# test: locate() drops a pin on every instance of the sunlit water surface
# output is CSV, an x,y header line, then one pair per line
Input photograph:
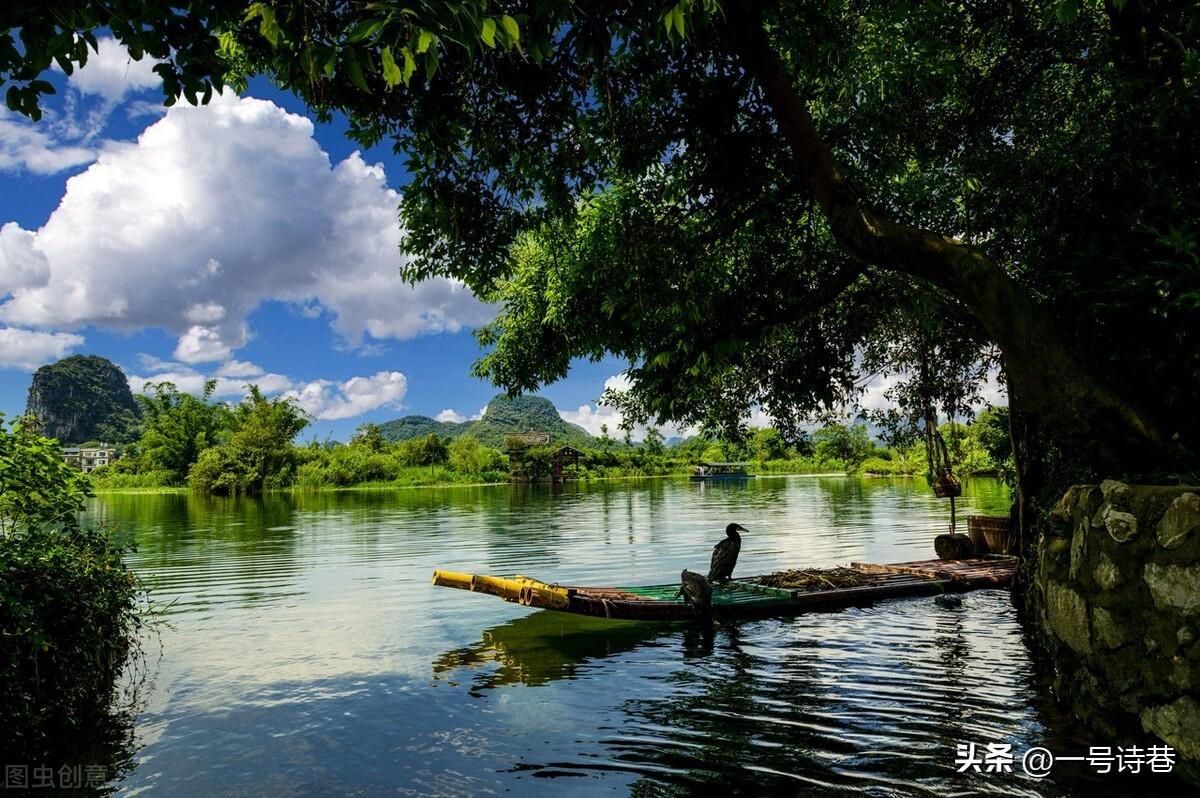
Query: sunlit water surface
x,y
307,653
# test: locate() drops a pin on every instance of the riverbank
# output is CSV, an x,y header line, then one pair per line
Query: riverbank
x,y
102,490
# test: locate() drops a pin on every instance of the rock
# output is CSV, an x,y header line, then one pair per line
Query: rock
x,y
1174,586
1106,573
1078,549
1180,521
82,398
1115,492
1062,517
1177,723
1121,526
1068,618
1107,629
1055,552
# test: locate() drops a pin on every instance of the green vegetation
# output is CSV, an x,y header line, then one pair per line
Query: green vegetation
x,y
83,398
69,609
503,416
210,446
248,448
815,193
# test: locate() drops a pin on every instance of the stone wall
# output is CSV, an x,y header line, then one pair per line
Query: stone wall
x,y
1117,598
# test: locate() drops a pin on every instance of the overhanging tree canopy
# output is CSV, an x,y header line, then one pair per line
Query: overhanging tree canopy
x,y
756,202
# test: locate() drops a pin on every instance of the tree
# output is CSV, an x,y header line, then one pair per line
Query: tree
x,y
429,450
370,437
653,443
848,443
178,427
38,490
768,444
468,456
259,453
807,182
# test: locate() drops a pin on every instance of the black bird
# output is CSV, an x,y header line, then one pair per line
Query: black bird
x,y
725,554
697,593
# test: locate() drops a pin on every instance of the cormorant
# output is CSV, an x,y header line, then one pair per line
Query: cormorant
x,y
725,554
697,593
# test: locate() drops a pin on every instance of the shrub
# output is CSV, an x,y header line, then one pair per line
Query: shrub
x,y
69,609
69,612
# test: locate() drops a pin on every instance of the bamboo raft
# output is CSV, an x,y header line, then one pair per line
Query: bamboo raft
x,y
749,597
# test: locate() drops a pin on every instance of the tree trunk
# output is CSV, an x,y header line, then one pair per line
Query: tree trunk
x,y
1052,382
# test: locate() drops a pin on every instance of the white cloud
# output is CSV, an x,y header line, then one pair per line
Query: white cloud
x,y
110,72
593,417
450,415
214,210
21,264
207,312
239,368
326,400
156,364
202,344
28,349
64,137
874,393
26,147
189,380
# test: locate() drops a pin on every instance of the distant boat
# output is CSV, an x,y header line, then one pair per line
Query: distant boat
x,y
707,472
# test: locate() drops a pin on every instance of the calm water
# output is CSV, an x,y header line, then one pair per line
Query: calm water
x,y
308,655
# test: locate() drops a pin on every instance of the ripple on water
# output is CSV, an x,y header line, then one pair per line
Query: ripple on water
x,y
307,653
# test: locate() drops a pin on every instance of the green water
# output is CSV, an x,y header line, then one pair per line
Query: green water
x,y
307,653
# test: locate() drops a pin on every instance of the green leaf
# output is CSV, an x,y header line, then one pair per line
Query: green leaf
x,y
268,26
354,71
424,40
1068,10
431,64
488,34
410,65
391,73
679,20
365,30
511,29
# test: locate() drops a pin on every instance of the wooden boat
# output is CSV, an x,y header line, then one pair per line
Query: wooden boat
x,y
709,472
743,598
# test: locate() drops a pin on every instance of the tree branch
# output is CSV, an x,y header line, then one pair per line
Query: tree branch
x,y
1053,382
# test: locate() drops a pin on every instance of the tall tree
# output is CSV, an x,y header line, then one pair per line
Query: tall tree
x,y
757,203
178,427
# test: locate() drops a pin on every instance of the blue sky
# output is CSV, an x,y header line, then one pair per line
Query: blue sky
x,y
243,241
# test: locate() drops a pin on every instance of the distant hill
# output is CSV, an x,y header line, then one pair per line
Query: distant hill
x,y
408,427
501,417
83,398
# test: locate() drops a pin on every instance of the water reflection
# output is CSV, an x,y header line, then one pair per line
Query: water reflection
x,y
309,655
542,647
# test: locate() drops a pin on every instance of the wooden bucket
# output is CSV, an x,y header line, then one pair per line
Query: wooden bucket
x,y
947,486
953,547
992,534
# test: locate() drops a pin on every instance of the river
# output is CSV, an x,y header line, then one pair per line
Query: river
x,y
304,652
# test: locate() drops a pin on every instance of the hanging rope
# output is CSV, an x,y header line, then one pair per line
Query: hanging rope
x,y
945,484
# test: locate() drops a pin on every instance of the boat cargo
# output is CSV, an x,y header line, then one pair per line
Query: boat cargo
x,y
778,594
